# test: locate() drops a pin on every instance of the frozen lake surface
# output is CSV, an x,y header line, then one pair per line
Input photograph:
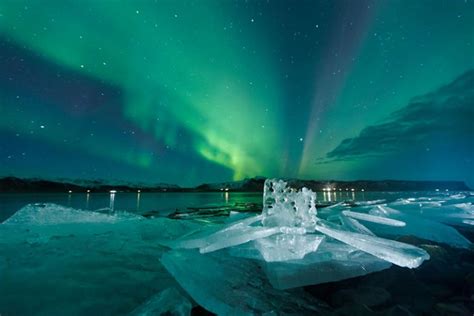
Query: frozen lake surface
x,y
58,260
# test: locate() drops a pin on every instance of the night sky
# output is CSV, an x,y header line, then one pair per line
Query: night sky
x,y
188,92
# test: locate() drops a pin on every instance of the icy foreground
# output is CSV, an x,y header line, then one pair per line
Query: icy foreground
x,y
106,262
296,247
289,229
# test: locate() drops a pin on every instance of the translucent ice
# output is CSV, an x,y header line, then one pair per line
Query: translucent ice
x,y
468,222
398,253
285,247
47,214
285,212
227,285
374,219
232,235
353,225
283,206
237,236
167,302
419,227
89,260
332,262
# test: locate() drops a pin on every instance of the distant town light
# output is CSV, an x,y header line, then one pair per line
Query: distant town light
x,y
113,191
362,190
222,189
70,191
88,191
447,190
340,189
227,189
352,189
138,191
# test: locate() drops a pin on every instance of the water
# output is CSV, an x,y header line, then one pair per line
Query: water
x,y
165,203
138,203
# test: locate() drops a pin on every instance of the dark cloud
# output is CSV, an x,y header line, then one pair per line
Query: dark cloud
x,y
445,115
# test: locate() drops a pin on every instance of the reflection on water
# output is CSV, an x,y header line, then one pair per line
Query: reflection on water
x,y
112,200
88,196
338,196
136,202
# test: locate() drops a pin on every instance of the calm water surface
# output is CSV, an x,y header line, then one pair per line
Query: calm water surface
x,y
166,203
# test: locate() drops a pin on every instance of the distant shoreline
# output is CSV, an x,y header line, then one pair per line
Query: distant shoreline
x,y
20,185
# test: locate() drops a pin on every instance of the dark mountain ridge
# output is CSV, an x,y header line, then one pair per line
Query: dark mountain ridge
x,y
13,184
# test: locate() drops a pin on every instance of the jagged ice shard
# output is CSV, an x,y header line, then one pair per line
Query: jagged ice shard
x,y
289,229
290,244
398,253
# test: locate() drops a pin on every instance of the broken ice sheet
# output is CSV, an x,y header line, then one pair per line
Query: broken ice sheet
x,y
237,236
80,256
231,235
353,225
333,261
227,285
468,222
42,221
453,214
398,253
423,228
374,219
166,302
285,212
323,267
47,214
287,246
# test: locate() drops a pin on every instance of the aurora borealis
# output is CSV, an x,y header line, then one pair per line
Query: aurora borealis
x,y
203,91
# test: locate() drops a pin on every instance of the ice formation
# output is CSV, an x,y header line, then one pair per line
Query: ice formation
x,y
285,207
238,265
48,214
227,285
290,229
89,260
166,302
297,245
398,253
285,247
374,219
334,261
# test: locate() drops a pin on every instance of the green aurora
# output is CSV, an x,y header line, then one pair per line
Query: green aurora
x,y
194,91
